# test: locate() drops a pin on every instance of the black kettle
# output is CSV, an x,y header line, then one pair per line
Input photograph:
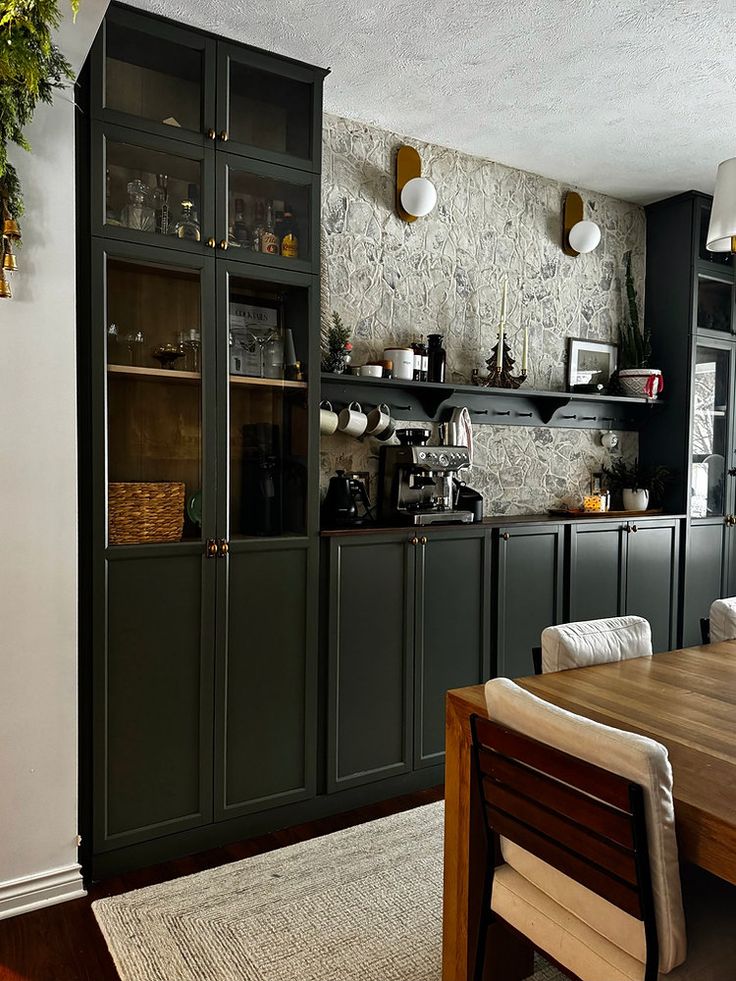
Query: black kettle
x,y
346,504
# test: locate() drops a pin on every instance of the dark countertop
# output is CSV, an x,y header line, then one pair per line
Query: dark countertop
x,y
495,521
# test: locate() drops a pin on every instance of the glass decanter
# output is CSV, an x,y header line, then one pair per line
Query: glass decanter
x,y
138,213
187,227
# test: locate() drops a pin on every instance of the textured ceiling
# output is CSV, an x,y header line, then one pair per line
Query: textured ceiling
x,y
636,99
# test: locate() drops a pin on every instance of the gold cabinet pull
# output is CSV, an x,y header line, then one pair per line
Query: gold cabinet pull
x,y
211,548
224,135
211,134
414,540
423,539
210,243
224,548
505,535
224,245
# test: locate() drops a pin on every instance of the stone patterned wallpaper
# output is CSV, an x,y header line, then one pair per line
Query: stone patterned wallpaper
x,y
391,282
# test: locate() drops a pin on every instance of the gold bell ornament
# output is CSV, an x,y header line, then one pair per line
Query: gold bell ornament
x,y
10,262
5,290
10,227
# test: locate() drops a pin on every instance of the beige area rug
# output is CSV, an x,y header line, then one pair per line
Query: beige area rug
x,y
364,904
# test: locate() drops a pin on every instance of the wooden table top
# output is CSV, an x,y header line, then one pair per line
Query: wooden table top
x,y
684,699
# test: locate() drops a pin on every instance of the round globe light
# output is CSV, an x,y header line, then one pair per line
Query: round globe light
x,y
584,236
418,197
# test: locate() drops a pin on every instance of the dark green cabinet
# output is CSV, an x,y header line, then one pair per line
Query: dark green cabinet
x,y
452,629
529,592
618,568
265,696
408,619
706,554
371,638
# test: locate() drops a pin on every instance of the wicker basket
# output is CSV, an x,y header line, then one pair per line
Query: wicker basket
x,y
145,512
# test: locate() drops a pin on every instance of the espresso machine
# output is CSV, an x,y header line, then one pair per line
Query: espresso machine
x,y
415,481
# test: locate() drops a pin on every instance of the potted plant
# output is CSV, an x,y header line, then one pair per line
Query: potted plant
x,y
336,346
637,484
635,376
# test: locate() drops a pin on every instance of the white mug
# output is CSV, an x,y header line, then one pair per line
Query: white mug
x,y
371,371
379,420
352,420
327,419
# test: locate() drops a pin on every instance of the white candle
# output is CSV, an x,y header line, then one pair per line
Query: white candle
x,y
503,300
525,350
500,344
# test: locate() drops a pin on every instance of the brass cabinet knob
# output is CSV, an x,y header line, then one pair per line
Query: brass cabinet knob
x,y
210,243
414,540
224,245
224,135
505,535
423,539
211,134
211,548
634,528
732,472
223,548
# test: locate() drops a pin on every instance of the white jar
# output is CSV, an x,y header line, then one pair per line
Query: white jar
x,y
403,359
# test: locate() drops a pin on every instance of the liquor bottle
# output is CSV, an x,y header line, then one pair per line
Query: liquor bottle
x,y
187,227
258,227
138,213
269,241
161,203
417,349
289,236
241,235
437,359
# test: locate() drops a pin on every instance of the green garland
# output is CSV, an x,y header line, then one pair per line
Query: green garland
x,y
31,67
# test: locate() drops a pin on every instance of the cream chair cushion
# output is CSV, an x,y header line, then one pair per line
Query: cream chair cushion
x,y
723,620
578,645
638,759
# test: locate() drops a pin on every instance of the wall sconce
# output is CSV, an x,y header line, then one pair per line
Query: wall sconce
x,y
578,235
415,195
722,227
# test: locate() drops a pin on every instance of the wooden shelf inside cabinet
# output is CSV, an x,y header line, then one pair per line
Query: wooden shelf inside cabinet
x,y
266,382
153,374
433,401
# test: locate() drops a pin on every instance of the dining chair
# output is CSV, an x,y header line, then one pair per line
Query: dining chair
x,y
578,645
582,818
723,620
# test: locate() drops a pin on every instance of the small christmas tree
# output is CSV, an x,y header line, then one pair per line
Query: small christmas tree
x,y
336,351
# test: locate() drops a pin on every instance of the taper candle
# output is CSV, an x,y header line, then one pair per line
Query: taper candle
x,y
503,299
525,350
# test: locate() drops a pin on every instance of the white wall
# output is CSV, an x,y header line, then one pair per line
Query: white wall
x,y
38,517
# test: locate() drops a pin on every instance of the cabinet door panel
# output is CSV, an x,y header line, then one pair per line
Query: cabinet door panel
x,y
451,632
651,579
703,576
370,644
529,593
154,705
596,572
265,708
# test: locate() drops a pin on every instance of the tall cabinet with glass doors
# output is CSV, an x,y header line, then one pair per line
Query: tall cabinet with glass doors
x,y
202,343
690,308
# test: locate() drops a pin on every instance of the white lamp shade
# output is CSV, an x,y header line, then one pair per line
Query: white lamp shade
x,y
584,236
722,228
418,197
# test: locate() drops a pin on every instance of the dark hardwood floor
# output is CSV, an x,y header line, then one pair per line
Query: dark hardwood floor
x,y
63,943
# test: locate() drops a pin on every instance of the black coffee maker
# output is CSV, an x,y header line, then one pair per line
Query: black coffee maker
x,y
346,504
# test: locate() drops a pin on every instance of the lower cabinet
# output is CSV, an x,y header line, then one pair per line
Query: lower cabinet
x,y
708,561
529,592
618,568
408,619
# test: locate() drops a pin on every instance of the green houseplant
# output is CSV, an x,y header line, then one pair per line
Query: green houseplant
x,y
635,377
336,346
31,68
638,485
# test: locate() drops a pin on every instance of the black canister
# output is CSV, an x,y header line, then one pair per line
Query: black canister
x,y
437,359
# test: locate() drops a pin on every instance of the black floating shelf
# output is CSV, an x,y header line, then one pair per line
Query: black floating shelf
x,y
434,401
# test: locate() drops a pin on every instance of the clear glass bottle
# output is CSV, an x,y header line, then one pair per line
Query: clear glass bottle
x,y
161,204
241,232
138,213
187,227
269,238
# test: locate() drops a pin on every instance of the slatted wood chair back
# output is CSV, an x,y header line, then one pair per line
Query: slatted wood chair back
x,y
581,819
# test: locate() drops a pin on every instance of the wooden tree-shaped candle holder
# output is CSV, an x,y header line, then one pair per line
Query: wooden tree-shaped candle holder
x,y
500,375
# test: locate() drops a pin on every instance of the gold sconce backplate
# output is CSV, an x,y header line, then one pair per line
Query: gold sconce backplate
x,y
408,166
572,213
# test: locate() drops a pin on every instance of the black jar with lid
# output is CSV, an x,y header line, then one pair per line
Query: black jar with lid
x,y
437,359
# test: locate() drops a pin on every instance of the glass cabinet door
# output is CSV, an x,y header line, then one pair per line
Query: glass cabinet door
x,y
155,356
266,107
268,212
715,304
154,76
267,419
711,412
155,190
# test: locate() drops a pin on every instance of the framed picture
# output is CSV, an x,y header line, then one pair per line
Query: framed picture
x,y
590,363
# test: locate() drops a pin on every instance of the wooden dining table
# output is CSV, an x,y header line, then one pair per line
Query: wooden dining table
x,y
685,699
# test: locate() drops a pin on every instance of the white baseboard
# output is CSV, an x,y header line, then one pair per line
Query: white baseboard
x,y
41,889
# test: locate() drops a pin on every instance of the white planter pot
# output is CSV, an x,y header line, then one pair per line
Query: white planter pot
x,y
641,381
636,500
